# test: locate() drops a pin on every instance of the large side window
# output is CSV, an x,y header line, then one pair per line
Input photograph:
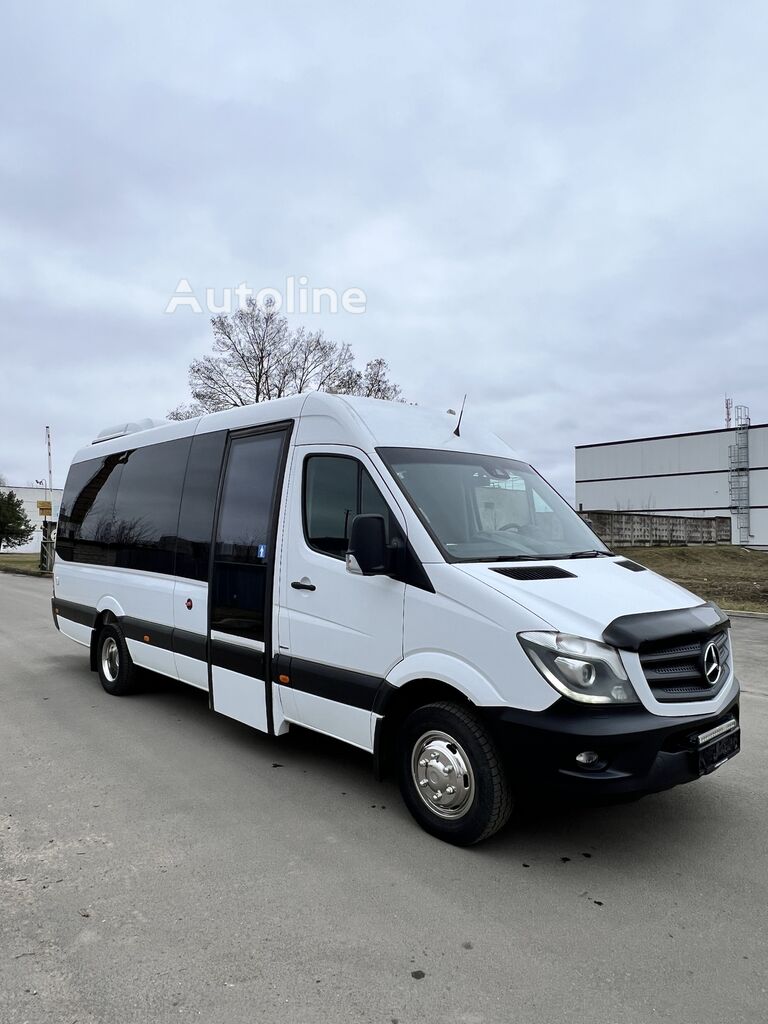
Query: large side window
x,y
77,478
244,534
198,505
336,489
147,508
86,517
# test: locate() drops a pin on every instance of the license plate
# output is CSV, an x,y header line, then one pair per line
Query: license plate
x,y
719,751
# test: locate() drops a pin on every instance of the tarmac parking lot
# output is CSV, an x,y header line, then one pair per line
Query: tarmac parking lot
x,y
159,862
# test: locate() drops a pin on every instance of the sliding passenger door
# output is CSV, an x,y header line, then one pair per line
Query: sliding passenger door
x,y
242,575
193,557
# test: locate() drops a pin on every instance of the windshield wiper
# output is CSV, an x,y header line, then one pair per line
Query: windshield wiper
x,y
544,558
593,553
521,558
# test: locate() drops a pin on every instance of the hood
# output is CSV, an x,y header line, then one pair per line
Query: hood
x,y
599,591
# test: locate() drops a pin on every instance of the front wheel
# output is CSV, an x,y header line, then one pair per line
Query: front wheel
x,y
451,775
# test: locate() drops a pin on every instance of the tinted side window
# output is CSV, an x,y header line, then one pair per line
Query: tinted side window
x,y
198,505
87,511
94,542
244,534
246,501
147,508
79,475
330,501
336,489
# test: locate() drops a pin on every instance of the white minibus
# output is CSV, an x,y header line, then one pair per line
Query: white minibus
x,y
371,571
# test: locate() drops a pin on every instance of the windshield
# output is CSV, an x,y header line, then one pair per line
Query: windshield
x,y
484,508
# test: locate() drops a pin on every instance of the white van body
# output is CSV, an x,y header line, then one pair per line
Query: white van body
x,y
218,550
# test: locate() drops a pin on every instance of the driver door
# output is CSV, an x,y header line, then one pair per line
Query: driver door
x,y
340,633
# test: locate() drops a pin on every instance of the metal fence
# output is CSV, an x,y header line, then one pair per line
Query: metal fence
x,y
634,529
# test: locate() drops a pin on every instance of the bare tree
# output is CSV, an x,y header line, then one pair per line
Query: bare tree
x,y
257,357
372,382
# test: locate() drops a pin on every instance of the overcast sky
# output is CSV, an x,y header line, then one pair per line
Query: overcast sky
x,y
561,208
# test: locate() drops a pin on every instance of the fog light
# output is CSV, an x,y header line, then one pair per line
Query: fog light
x,y
588,758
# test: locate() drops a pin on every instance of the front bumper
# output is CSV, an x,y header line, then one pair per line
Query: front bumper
x,y
639,752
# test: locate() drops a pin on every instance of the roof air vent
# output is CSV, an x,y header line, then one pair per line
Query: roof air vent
x,y
121,429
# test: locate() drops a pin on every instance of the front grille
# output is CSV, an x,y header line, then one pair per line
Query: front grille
x,y
675,671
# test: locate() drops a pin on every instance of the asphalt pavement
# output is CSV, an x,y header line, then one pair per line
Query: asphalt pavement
x,y
159,862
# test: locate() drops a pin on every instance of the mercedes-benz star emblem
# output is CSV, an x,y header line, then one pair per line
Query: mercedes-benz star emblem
x,y
712,665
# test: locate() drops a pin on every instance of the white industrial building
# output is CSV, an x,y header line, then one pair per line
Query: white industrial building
x,y
704,473
30,496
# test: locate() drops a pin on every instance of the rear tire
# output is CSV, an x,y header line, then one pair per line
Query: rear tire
x,y
118,675
451,775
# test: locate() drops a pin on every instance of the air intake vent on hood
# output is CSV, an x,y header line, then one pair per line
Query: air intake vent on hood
x,y
627,563
537,572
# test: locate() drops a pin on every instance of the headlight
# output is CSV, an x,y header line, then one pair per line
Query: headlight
x,y
581,669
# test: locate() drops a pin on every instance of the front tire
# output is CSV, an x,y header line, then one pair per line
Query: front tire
x,y
451,775
117,673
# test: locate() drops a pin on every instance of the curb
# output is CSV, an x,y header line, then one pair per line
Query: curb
x,y
747,615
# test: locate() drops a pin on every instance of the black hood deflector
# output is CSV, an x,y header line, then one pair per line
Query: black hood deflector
x,y
633,632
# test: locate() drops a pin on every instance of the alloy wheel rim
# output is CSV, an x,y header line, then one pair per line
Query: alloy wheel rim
x,y
110,659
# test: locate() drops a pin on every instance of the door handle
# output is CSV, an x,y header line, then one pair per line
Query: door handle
x,y
303,585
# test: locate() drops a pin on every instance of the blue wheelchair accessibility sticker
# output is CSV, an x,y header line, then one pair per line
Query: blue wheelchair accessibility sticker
x,y
262,551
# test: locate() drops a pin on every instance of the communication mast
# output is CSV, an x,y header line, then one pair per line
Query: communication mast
x,y
728,408
50,462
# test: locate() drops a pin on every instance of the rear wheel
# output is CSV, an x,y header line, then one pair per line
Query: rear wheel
x,y
451,776
118,675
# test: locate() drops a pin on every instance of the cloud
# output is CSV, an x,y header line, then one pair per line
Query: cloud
x,y
558,209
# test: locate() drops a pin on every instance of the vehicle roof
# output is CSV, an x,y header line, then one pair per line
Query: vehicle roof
x,y
324,418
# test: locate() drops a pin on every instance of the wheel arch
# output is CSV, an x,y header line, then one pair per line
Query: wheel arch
x,y
423,678
108,611
394,704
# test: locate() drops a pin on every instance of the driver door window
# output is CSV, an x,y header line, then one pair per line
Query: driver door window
x,y
336,489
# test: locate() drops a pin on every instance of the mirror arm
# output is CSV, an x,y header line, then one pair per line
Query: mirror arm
x,y
395,559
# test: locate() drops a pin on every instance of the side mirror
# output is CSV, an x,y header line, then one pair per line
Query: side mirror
x,y
368,553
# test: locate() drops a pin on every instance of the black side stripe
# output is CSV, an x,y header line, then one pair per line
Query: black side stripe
x,y
138,629
167,638
340,684
80,613
244,660
356,689
191,645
